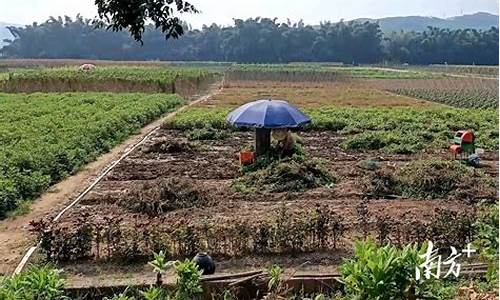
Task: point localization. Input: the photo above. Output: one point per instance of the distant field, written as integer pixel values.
(57, 63)
(311, 94)
(318, 72)
(486, 71)
(458, 92)
(46, 137)
(109, 78)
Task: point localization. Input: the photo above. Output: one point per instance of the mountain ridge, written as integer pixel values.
(479, 20)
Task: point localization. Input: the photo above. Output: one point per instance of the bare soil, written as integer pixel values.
(213, 166)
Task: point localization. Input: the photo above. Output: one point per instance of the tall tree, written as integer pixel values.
(134, 14)
(258, 40)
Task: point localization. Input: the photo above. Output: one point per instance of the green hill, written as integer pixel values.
(478, 20)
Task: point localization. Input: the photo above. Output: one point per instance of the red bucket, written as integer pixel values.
(246, 157)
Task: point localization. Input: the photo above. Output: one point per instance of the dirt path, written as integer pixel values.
(15, 238)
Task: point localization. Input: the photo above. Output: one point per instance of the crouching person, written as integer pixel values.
(286, 142)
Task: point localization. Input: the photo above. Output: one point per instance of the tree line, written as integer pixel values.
(256, 40)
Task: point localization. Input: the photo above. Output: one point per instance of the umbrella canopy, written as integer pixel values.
(267, 114)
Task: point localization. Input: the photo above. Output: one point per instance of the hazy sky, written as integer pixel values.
(222, 11)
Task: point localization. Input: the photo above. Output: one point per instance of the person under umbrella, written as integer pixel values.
(267, 115)
(286, 141)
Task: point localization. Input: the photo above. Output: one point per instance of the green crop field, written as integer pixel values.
(46, 137)
(138, 74)
(476, 98)
(394, 130)
(324, 72)
(484, 71)
(103, 78)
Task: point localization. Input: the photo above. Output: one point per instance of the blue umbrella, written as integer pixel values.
(267, 114)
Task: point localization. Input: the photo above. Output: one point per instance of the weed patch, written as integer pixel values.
(163, 195)
(391, 142)
(286, 175)
(430, 179)
(206, 133)
(166, 146)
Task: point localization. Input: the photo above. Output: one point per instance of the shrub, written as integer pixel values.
(367, 141)
(483, 97)
(188, 280)
(451, 228)
(380, 272)
(39, 282)
(487, 239)
(75, 244)
(369, 164)
(387, 272)
(406, 130)
(8, 196)
(382, 184)
(487, 231)
(112, 238)
(104, 78)
(273, 155)
(199, 117)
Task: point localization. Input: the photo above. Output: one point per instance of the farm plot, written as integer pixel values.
(402, 131)
(358, 173)
(312, 94)
(46, 137)
(369, 117)
(182, 199)
(108, 79)
(13, 64)
(316, 73)
(458, 92)
(468, 70)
